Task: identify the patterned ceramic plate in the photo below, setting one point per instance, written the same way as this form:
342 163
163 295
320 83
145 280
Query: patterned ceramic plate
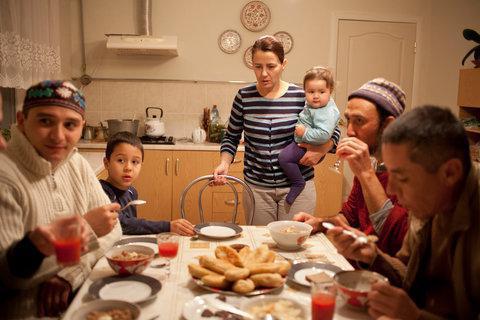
229 41
255 16
247 57
286 39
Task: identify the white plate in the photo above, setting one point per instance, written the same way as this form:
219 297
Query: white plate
104 305
134 289
218 230
192 309
299 271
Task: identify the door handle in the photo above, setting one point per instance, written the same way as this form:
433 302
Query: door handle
231 202
177 166
167 164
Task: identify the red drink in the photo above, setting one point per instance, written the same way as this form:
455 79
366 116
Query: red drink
168 249
68 251
323 306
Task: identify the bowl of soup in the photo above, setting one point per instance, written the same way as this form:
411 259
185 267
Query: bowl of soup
289 235
129 259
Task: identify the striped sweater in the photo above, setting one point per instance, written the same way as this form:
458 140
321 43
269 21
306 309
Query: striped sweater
31 193
268 126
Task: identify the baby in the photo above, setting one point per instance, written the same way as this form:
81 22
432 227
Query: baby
316 124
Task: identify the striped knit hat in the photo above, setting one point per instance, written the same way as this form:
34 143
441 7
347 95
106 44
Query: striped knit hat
385 94
55 93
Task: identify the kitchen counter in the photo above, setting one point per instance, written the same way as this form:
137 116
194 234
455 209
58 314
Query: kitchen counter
179 145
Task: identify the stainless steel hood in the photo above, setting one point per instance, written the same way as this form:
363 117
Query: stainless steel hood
145 43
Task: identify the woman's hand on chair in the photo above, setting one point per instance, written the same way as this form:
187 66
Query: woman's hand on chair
219 174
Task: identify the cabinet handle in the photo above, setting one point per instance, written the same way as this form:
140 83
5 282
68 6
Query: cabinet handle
167 164
177 165
237 160
231 202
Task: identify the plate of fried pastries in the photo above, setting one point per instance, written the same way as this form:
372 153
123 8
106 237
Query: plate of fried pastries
247 272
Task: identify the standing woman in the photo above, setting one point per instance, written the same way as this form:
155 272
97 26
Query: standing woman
267 112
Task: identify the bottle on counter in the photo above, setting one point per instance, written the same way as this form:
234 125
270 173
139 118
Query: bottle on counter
216 130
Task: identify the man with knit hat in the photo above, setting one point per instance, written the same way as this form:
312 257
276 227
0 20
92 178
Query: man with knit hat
370 109
42 178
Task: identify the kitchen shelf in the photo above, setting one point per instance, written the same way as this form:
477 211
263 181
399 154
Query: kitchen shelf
469 106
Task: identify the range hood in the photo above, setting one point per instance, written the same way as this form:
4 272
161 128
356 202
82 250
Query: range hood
145 43
142 45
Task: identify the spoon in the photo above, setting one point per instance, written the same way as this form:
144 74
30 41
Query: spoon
133 203
360 238
218 304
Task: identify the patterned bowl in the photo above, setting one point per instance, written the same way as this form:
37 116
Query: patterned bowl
354 285
129 259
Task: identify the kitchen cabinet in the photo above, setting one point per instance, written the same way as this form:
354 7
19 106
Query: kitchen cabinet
469 107
165 174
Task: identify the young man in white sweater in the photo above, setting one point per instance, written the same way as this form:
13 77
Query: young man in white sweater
42 178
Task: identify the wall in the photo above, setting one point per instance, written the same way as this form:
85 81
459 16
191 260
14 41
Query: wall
198 24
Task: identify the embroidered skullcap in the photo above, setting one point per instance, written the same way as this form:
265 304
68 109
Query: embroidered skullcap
55 93
385 94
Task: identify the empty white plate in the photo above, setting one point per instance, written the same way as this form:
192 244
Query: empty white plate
218 230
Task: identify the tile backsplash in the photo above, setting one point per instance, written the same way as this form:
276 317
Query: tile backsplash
182 101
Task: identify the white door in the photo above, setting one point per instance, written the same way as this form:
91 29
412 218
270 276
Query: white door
371 49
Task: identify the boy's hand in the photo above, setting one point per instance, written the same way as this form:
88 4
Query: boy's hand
300 130
182 227
103 219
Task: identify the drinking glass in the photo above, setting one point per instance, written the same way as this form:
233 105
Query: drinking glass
167 246
68 247
323 296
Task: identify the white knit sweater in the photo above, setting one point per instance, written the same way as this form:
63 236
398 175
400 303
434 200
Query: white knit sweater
31 193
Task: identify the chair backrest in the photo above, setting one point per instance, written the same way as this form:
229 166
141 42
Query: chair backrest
209 181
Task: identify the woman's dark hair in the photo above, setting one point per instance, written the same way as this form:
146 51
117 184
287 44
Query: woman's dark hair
123 137
269 43
433 134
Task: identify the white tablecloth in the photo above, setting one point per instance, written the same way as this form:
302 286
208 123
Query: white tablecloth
177 288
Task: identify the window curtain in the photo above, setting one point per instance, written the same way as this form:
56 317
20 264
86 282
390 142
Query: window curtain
29 42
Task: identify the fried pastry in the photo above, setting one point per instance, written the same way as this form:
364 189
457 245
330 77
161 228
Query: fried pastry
269 280
243 286
213 264
283 267
229 254
265 267
215 281
197 271
234 274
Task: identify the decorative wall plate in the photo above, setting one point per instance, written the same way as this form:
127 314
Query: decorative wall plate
247 57
229 41
286 39
255 16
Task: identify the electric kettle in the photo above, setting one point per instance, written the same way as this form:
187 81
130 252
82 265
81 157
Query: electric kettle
154 127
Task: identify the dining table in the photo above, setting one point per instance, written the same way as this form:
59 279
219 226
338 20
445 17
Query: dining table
178 287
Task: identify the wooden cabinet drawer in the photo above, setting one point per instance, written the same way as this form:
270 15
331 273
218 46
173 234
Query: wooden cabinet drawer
468 88
223 205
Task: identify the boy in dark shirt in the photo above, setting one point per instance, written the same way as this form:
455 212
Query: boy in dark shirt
123 161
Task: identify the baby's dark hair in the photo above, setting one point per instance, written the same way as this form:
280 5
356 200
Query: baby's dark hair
320 73
122 137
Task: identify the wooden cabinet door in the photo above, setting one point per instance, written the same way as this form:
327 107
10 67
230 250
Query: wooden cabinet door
187 166
154 185
329 187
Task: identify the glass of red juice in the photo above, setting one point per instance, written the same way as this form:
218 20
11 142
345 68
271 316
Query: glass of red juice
323 295
167 245
68 242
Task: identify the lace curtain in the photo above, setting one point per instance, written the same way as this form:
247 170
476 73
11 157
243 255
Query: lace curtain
29 42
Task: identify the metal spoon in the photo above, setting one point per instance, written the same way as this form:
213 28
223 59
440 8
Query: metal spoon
133 203
360 238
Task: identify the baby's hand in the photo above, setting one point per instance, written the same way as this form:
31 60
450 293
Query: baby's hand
300 130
